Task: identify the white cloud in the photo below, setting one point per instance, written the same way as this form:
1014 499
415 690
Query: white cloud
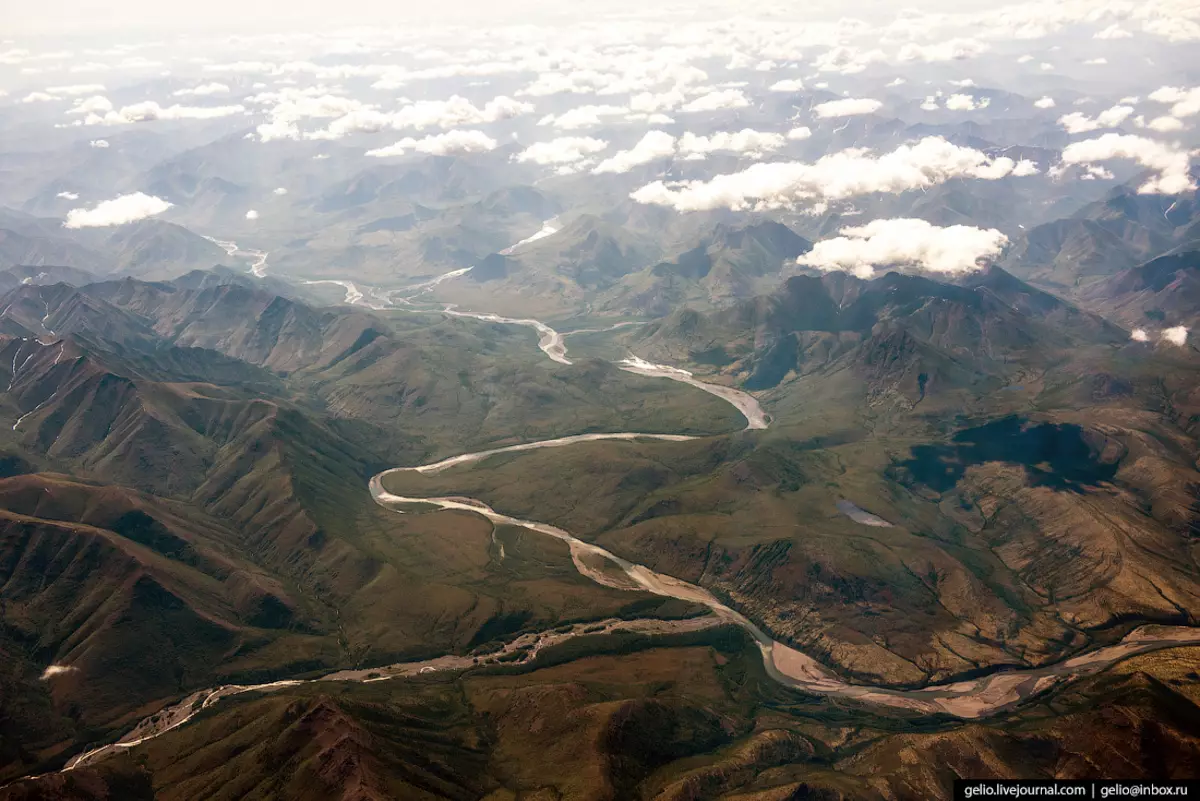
564 150
1025 168
280 191
118 211
150 111
1045 66
747 141
1165 124
847 60
1176 336
1139 335
1168 94
1091 173
577 82
787 85
952 50
1184 102
1170 162
895 82
1113 31
799 134
37 97
98 143
836 176
649 102
97 104
445 114
965 83
582 117
252 215
1096 61
653 146
360 120
1025 59
961 102
847 107
442 144
68 195
246 67
203 90
56 670
1078 122
715 101
1044 102
77 89
905 242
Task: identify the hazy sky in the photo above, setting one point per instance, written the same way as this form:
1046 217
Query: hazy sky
128 16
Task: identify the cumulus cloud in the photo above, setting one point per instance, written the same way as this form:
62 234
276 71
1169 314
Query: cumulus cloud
799 134
1024 168
1044 102
68 195
1168 161
1184 102
905 242
1165 124
203 90
952 50
1176 336
715 101
847 60
150 111
280 191
76 89
98 143
895 82
847 107
962 102
653 146
582 117
747 141
445 114
443 144
787 85
252 215
1113 31
837 176
1139 335
1078 122
564 150
118 211
1096 61
37 97
651 102
576 82
97 104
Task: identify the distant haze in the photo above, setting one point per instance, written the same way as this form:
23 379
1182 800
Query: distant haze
97 17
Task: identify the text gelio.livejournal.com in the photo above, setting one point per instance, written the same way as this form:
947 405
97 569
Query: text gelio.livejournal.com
1003 788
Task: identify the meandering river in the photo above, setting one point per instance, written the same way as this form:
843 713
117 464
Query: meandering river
965 699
